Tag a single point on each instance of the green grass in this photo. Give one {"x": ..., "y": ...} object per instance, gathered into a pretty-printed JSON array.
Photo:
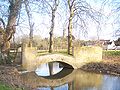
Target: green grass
[
  {"x": 62, "y": 52},
  {"x": 111, "y": 52},
  {"x": 4, "y": 87},
  {"x": 42, "y": 52},
  {"x": 45, "y": 52}
]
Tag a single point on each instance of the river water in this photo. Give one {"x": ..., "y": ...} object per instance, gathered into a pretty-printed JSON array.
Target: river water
[{"x": 69, "y": 79}]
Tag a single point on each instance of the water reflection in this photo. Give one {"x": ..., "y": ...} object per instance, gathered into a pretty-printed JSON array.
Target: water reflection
[
  {"x": 111, "y": 83},
  {"x": 48, "y": 69},
  {"x": 63, "y": 87},
  {"x": 75, "y": 80}
]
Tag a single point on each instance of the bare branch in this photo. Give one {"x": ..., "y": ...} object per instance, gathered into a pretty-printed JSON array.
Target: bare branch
[{"x": 3, "y": 23}]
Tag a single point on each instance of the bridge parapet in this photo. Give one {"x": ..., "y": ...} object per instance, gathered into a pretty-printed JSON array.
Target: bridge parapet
[
  {"x": 88, "y": 53},
  {"x": 29, "y": 54}
]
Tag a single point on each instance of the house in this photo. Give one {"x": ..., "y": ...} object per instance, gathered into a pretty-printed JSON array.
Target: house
[{"x": 111, "y": 46}]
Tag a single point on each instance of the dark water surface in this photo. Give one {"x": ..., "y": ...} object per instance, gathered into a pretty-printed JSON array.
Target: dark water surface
[{"x": 68, "y": 79}]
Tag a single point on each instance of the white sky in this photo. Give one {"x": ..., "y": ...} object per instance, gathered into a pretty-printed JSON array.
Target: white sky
[{"x": 42, "y": 24}]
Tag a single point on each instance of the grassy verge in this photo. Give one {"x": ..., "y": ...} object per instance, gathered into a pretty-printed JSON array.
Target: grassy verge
[
  {"x": 111, "y": 52},
  {"x": 45, "y": 52},
  {"x": 111, "y": 55},
  {"x": 42, "y": 52},
  {"x": 4, "y": 87}
]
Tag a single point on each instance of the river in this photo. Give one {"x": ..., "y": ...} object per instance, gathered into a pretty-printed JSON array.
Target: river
[{"x": 60, "y": 78}]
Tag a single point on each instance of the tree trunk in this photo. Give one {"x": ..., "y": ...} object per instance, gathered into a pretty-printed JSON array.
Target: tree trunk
[
  {"x": 70, "y": 45},
  {"x": 51, "y": 31},
  {"x": 51, "y": 42},
  {"x": 31, "y": 24},
  {"x": 70, "y": 37},
  {"x": 54, "y": 8}
]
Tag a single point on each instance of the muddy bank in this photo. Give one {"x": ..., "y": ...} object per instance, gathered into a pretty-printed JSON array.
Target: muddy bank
[
  {"x": 110, "y": 65},
  {"x": 10, "y": 76}
]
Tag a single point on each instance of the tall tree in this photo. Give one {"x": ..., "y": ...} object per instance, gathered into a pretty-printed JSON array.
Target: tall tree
[
  {"x": 71, "y": 14},
  {"x": 53, "y": 8},
  {"x": 31, "y": 23},
  {"x": 10, "y": 28},
  {"x": 49, "y": 7},
  {"x": 80, "y": 14}
]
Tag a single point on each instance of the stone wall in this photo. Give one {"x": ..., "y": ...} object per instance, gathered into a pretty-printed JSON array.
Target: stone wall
[
  {"x": 29, "y": 54},
  {"x": 88, "y": 53}
]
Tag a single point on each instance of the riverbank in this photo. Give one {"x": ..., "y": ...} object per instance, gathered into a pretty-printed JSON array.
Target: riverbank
[
  {"x": 105, "y": 67},
  {"x": 10, "y": 79},
  {"x": 110, "y": 64}
]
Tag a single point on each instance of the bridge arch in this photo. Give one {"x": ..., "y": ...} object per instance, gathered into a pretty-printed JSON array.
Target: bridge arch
[
  {"x": 65, "y": 65},
  {"x": 65, "y": 60}
]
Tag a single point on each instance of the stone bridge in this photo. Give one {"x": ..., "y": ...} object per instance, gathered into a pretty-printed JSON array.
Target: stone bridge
[{"x": 82, "y": 55}]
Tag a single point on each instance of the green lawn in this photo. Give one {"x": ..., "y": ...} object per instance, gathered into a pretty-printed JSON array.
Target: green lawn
[
  {"x": 111, "y": 52},
  {"x": 4, "y": 86},
  {"x": 45, "y": 52}
]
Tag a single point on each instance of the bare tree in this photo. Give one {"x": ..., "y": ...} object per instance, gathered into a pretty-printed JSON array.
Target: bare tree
[
  {"x": 101, "y": 17},
  {"x": 53, "y": 8},
  {"x": 115, "y": 12},
  {"x": 10, "y": 28},
  {"x": 71, "y": 14},
  {"x": 49, "y": 7},
  {"x": 80, "y": 13},
  {"x": 31, "y": 23}
]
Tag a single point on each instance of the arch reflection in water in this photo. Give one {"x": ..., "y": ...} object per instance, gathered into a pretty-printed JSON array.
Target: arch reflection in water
[
  {"x": 48, "y": 69},
  {"x": 74, "y": 80}
]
